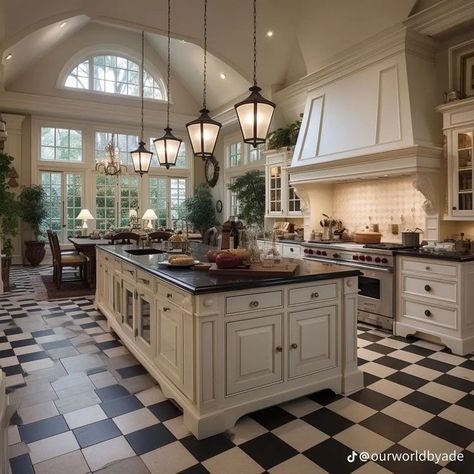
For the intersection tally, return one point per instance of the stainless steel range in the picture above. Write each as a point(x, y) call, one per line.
point(376, 284)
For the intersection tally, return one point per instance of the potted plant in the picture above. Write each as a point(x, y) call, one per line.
point(284, 137)
point(33, 211)
point(8, 217)
point(199, 209)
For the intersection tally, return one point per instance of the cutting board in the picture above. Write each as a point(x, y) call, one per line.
point(257, 270)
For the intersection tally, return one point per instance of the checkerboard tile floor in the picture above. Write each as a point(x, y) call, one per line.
point(84, 404)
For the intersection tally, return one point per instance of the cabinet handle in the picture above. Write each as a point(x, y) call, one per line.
point(136, 332)
point(144, 280)
point(279, 349)
point(454, 208)
point(428, 269)
point(427, 288)
point(169, 295)
point(315, 295)
point(294, 346)
point(166, 308)
point(291, 249)
point(254, 304)
point(428, 313)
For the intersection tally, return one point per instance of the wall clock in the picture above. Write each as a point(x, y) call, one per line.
point(219, 206)
point(211, 171)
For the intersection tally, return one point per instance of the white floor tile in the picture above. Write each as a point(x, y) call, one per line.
point(177, 427)
point(135, 420)
point(71, 463)
point(27, 349)
point(84, 416)
point(360, 439)
point(169, 459)
point(298, 464)
point(37, 364)
point(101, 454)
point(422, 372)
point(351, 409)
point(245, 429)
point(38, 412)
point(300, 407)
point(300, 435)
point(408, 413)
point(443, 392)
point(460, 415)
point(13, 435)
point(391, 389)
point(151, 396)
point(378, 370)
point(52, 447)
point(232, 461)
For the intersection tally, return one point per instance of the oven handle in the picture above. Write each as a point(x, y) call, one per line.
point(355, 265)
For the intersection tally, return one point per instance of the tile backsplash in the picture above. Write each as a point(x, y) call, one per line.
point(382, 201)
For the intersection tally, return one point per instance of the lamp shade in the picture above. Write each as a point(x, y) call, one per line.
point(85, 215)
point(255, 115)
point(203, 133)
point(132, 213)
point(167, 148)
point(141, 159)
point(149, 215)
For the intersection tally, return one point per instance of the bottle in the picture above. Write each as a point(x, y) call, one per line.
point(233, 236)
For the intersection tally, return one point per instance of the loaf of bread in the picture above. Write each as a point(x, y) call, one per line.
point(180, 259)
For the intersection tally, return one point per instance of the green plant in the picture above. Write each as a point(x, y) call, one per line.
point(33, 207)
point(199, 209)
point(250, 192)
point(284, 136)
point(8, 205)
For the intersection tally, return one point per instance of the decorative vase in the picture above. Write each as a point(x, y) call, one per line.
point(35, 252)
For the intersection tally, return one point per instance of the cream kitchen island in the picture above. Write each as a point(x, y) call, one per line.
point(224, 346)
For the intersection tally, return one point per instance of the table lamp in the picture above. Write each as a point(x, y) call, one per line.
point(149, 216)
point(85, 215)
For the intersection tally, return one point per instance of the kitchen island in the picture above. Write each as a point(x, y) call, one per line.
point(224, 346)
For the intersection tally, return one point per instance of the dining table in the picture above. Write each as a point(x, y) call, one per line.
point(87, 247)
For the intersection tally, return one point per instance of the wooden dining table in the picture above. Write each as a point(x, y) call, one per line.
point(87, 247)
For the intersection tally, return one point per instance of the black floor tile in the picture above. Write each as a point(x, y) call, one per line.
point(268, 450)
point(165, 410)
point(468, 364)
point(324, 397)
point(32, 356)
point(196, 469)
point(467, 402)
point(435, 365)
point(370, 337)
point(465, 466)
point(393, 363)
point(452, 432)
point(148, 439)
point(119, 406)
point(43, 429)
point(403, 466)
point(12, 370)
point(96, 433)
point(418, 350)
point(22, 465)
point(207, 448)
point(332, 455)
point(107, 344)
point(455, 382)
point(372, 399)
point(370, 379)
point(47, 346)
point(111, 392)
point(426, 402)
point(272, 417)
point(133, 371)
point(89, 325)
point(380, 348)
point(407, 380)
point(387, 427)
point(6, 353)
point(22, 343)
point(361, 361)
point(10, 331)
point(327, 421)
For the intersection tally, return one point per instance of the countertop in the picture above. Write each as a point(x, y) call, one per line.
point(452, 256)
point(201, 281)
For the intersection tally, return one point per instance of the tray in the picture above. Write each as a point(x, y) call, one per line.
point(257, 270)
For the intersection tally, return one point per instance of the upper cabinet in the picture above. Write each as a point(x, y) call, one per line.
point(458, 124)
point(281, 198)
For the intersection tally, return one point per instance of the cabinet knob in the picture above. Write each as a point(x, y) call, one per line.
point(454, 208)
point(294, 346)
point(428, 269)
point(254, 304)
point(279, 349)
point(427, 288)
point(291, 249)
point(315, 295)
point(169, 295)
point(428, 313)
point(165, 308)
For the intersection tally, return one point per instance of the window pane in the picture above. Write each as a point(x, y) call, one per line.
point(255, 154)
point(60, 144)
point(125, 144)
point(234, 205)
point(105, 208)
point(235, 155)
point(73, 202)
point(51, 183)
point(78, 78)
point(177, 197)
point(158, 199)
point(128, 198)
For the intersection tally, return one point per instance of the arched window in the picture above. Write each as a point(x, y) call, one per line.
point(114, 75)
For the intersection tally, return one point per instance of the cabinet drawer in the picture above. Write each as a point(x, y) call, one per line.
point(146, 280)
point(428, 266)
point(428, 288)
point(291, 251)
point(173, 295)
point(311, 294)
point(255, 302)
point(129, 271)
point(429, 314)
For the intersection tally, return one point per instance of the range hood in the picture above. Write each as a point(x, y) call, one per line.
point(373, 115)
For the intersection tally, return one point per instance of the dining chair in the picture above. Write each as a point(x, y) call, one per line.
point(62, 260)
point(125, 238)
point(210, 237)
point(159, 235)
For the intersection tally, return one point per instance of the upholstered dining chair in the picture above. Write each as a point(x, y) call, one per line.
point(62, 260)
point(159, 235)
point(125, 238)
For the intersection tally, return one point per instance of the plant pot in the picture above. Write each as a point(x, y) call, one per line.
point(6, 263)
point(35, 252)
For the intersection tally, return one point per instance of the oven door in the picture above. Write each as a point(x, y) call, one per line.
point(376, 291)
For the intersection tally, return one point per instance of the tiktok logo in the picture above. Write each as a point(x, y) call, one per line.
point(352, 457)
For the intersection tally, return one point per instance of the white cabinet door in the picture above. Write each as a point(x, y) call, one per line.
point(117, 296)
point(146, 317)
point(128, 308)
point(254, 353)
point(312, 341)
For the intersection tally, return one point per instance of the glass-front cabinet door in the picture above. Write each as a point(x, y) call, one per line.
point(128, 308)
point(294, 203)
point(145, 321)
point(462, 174)
point(275, 191)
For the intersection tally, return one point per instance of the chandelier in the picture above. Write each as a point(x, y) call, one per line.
point(111, 165)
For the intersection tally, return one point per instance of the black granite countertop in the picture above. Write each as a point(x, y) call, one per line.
point(453, 256)
point(201, 281)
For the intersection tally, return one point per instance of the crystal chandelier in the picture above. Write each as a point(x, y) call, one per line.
point(111, 165)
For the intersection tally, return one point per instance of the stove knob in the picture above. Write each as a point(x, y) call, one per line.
point(336, 255)
point(324, 253)
point(377, 260)
point(362, 258)
point(368, 258)
point(355, 257)
point(310, 251)
point(318, 252)
point(384, 260)
point(305, 250)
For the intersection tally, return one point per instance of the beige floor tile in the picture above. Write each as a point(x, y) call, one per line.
point(116, 351)
point(391, 389)
point(82, 363)
point(52, 447)
point(300, 435)
point(407, 413)
point(378, 370)
point(135, 420)
point(406, 356)
point(177, 427)
point(232, 461)
point(38, 412)
point(298, 464)
point(438, 390)
point(9, 361)
point(27, 349)
point(20, 337)
point(169, 459)
point(363, 342)
point(17, 450)
point(368, 355)
point(13, 435)
point(104, 337)
point(126, 466)
point(103, 379)
point(13, 380)
point(76, 402)
point(151, 396)
point(84, 416)
point(71, 463)
point(101, 454)
point(463, 373)
point(422, 372)
point(428, 345)
point(5, 346)
point(448, 358)
point(300, 407)
point(245, 429)
point(351, 409)
point(460, 415)
point(371, 468)
point(361, 439)
point(37, 364)
point(392, 343)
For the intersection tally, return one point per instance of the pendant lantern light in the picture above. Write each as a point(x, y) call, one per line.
point(141, 157)
point(203, 131)
point(255, 112)
point(167, 146)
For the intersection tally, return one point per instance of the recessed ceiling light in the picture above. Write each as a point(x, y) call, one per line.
point(222, 75)
point(270, 33)
point(63, 24)
point(8, 56)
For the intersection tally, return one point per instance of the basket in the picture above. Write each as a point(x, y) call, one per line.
point(367, 237)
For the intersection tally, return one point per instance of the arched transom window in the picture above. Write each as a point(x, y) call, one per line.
point(114, 75)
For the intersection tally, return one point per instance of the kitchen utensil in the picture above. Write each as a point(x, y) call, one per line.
point(411, 238)
point(367, 237)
